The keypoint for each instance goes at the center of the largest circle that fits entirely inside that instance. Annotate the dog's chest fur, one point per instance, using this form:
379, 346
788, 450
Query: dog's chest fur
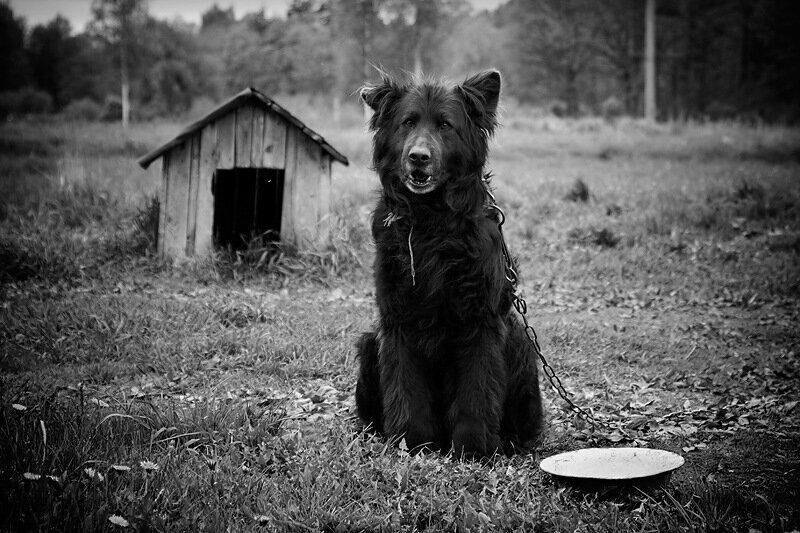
443, 280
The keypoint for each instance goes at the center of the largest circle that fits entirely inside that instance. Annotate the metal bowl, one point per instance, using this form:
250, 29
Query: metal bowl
595, 468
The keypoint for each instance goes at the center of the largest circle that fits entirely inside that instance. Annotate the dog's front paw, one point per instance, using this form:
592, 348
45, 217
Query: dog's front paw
472, 438
418, 436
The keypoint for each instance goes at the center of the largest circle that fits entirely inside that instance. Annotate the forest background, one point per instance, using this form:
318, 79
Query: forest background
717, 59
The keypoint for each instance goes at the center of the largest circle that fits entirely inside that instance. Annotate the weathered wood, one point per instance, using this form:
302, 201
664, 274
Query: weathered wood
288, 206
306, 188
306, 196
275, 141
226, 141
162, 203
324, 220
314, 179
209, 153
244, 134
177, 201
257, 139
194, 179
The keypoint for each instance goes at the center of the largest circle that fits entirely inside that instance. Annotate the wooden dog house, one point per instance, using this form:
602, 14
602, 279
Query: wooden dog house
249, 168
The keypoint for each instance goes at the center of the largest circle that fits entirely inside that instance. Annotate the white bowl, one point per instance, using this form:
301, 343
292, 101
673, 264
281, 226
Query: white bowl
613, 465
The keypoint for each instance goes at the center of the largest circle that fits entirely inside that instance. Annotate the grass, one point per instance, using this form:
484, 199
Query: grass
218, 395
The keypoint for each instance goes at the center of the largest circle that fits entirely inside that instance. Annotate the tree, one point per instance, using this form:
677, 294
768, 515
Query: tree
308, 50
215, 16
13, 62
354, 24
89, 71
175, 72
119, 21
49, 50
419, 23
650, 61
476, 43
557, 44
620, 32
255, 55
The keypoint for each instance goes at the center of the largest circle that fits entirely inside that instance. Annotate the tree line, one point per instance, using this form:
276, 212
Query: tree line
715, 59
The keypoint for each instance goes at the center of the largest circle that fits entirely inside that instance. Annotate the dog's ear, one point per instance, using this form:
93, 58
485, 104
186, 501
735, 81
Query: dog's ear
372, 95
481, 94
380, 97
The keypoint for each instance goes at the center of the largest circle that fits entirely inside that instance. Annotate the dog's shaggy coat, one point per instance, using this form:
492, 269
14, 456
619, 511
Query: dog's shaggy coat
449, 365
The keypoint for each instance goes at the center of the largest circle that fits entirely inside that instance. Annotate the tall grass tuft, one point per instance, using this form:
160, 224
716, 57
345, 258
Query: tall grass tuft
579, 192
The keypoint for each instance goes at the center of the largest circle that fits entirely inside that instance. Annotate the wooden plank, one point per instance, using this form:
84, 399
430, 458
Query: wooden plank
244, 134
307, 193
226, 141
209, 153
257, 146
290, 177
275, 141
162, 203
324, 220
177, 201
194, 179
312, 176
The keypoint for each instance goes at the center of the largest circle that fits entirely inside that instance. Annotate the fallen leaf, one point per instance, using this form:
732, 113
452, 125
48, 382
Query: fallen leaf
118, 521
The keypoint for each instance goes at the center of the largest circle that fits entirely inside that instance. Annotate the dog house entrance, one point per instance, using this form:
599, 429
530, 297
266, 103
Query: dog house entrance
247, 206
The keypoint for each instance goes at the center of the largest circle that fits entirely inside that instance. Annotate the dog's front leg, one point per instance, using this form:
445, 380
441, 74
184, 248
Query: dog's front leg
407, 398
478, 380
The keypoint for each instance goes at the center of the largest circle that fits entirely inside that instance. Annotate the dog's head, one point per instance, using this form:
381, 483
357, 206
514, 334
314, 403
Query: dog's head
431, 135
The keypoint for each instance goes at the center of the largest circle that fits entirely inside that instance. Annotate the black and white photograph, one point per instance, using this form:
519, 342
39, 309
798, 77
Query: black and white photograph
361, 266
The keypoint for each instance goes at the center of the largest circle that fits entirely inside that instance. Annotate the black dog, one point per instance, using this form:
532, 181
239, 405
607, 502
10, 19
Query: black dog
449, 366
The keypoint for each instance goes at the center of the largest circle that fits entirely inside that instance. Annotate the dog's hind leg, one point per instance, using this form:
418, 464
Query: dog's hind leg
369, 402
522, 410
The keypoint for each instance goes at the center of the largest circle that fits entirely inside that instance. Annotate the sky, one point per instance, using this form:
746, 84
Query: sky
78, 12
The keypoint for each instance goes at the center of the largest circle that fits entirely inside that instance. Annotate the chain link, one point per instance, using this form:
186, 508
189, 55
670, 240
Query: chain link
521, 307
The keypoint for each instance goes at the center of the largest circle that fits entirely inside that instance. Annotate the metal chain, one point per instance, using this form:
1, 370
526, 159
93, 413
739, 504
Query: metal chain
522, 308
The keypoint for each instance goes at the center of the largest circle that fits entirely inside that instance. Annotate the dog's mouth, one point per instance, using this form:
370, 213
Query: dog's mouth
419, 181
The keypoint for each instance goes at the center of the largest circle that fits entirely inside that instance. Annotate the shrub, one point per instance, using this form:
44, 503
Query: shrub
612, 108
602, 237
113, 110
145, 226
27, 101
84, 109
558, 109
579, 192
719, 110
746, 191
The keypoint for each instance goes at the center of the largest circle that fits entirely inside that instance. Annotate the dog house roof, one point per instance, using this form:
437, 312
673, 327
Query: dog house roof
248, 95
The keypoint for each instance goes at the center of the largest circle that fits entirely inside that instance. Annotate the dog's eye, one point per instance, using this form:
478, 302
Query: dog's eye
409, 123
445, 125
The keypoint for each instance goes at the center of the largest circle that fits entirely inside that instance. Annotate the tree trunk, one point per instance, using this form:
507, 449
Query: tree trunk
571, 93
418, 56
336, 106
650, 60
126, 104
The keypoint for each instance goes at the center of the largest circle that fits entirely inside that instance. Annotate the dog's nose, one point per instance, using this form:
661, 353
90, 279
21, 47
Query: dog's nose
419, 154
